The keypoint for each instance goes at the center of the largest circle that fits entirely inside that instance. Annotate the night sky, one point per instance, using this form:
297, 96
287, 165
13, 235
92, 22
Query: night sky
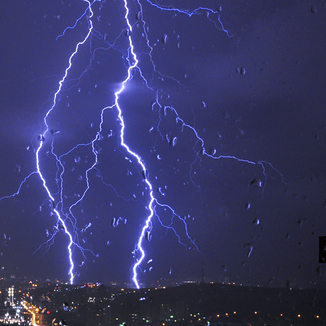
255, 91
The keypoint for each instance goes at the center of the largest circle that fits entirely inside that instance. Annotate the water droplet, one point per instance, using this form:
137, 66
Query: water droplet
250, 247
250, 251
247, 206
256, 183
174, 141
164, 39
314, 9
54, 132
212, 151
256, 221
148, 235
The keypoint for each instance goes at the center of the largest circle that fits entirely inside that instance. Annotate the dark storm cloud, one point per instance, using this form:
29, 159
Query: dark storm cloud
280, 55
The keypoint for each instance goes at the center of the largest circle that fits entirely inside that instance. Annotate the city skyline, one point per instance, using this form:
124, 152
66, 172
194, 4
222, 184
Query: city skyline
202, 304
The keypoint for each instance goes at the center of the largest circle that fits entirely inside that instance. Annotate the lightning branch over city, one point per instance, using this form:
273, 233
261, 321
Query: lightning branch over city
62, 167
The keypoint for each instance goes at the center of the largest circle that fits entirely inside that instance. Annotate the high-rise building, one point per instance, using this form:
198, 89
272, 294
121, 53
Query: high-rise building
11, 294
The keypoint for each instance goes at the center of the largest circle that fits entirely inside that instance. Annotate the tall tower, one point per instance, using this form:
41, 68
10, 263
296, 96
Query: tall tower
11, 292
202, 272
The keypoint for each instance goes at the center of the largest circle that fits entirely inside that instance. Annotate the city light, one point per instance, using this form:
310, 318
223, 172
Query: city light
174, 311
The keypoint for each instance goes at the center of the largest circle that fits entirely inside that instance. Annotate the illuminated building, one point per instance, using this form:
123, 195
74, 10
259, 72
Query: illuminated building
11, 292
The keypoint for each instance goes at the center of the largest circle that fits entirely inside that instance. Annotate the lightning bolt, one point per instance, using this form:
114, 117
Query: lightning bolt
61, 222
42, 138
139, 252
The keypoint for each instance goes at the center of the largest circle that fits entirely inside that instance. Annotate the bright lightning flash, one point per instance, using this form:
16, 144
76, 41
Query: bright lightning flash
132, 69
